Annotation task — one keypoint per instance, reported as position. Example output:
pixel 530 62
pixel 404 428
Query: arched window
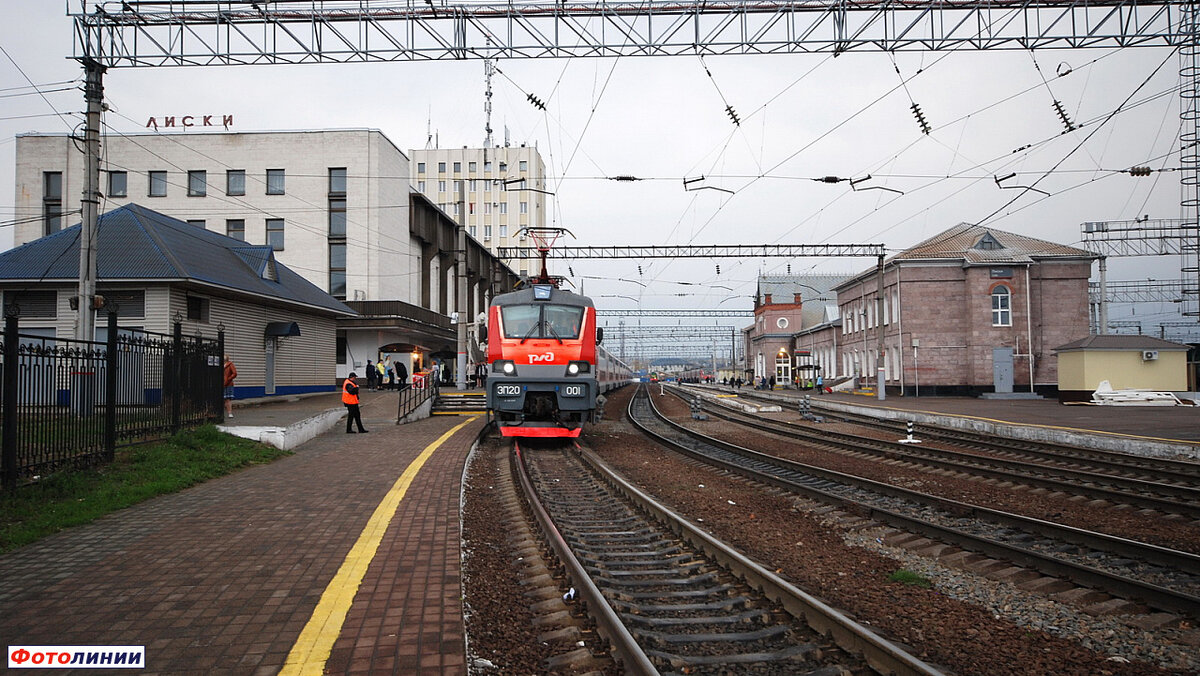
pixel 1001 306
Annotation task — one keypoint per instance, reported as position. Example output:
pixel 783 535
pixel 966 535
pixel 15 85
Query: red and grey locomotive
pixel 546 369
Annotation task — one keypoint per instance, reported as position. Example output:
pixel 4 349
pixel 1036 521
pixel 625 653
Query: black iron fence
pixel 411 396
pixel 67 402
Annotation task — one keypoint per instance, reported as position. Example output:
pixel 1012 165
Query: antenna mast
pixel 488 69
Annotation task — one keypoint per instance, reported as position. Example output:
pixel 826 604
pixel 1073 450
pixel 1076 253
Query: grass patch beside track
pixel 908 577
pixel 138 473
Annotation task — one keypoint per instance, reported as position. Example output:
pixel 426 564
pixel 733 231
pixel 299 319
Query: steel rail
pixel 634 660
pixel 1155 595
pixel 1008 470
pixel 883 655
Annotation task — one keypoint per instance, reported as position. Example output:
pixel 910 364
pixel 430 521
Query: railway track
pixel 1162 578
pixel 671 599
pixel 1177 495
pixel 1148 469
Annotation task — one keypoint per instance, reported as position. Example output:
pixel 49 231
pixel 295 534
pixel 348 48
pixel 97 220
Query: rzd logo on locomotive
pixel 535 358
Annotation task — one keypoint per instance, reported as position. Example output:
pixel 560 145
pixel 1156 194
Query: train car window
pixel 520 321
pixel 562 321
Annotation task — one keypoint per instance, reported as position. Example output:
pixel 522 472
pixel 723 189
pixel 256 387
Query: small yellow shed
pixel 1126 362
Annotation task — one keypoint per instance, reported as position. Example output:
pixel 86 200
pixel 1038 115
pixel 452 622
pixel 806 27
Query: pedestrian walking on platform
pixel 370 375
pixel 229 371
pixel 350 399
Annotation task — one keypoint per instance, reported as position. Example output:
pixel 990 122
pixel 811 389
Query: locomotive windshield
pixel 542 321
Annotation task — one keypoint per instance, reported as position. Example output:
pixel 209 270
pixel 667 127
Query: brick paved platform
pixel 226 575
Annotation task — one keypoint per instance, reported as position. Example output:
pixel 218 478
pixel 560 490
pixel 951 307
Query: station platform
pixel 341 558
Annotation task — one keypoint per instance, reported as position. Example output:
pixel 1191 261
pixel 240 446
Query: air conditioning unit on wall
pixel 1149 355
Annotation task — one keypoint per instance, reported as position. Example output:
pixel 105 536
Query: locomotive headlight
pixel 505 366
pixel 577 367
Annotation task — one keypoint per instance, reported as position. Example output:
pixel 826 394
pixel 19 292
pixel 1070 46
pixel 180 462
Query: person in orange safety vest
pixel 350 399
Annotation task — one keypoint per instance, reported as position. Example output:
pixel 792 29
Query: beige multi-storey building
pixel 495 192
pixel 335 206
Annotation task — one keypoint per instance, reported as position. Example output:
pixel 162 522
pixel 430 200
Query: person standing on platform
pixel 401 375
pixel 380 373
pixel 229 371
pixel 350 399
pixel 820 384
pixel 370 375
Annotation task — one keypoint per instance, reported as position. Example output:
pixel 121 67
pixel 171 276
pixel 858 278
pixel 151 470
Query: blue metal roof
pixel 136 244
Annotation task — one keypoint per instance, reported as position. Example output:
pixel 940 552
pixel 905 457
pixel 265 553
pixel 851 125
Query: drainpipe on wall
pixel 1029 325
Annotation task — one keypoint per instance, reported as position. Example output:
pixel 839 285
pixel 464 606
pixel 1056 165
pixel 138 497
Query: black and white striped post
pixel 909 439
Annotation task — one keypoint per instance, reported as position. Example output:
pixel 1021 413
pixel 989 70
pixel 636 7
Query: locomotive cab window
pixel 542 321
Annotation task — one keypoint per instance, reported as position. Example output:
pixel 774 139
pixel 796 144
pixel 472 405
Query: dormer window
pixel 988 243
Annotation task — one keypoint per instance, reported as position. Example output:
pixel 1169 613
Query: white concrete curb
pixel 293 435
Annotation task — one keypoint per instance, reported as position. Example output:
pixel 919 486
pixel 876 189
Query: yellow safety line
pixel 312 648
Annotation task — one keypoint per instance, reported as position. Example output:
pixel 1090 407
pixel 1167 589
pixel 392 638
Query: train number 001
pixel 574 390
pixel 508 390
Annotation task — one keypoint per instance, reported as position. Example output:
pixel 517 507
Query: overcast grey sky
pixel 664 119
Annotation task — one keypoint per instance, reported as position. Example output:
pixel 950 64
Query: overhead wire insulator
pixel 916 110
pixel 718 269
pixel 733 115
pixel 1139 171
pixel 1062 115
pixel 537 103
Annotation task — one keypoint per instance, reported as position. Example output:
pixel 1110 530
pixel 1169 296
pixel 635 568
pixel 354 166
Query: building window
pixel 524 207
pixel 129 302
pixel 487 231
pixel 458 167
pixel 420 167
pixel 523 166
pixel 118 184
pixel 158 184
pixel 40 304
pixel 487 166
pixel 503 167
pixel 337 181
pixel 473 230
pixel 197 183
pixel 471 207
pixel 503 230
pixel 504 207
pixel 458 186
pixel 197 309
pixel 1001 306
pixel 441 167
pixel 337 269
pixel 275 233
pixel 275 181
pixel 420 186
pixel 52 200
pixel 472 167
pixel 474 185
pixel 236 228
pixel 487 207
pixel 196 222
pixel 235 182
pixel 441 186
pixel 337 216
